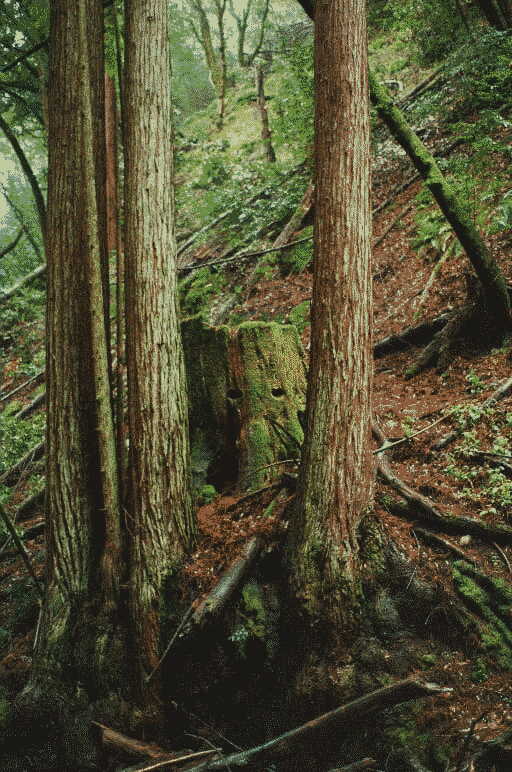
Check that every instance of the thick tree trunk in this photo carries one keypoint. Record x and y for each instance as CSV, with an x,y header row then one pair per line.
x,y
336,479
266,134
83,531
485,266
159,519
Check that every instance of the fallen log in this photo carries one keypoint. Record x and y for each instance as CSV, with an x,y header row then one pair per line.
x,y
319,728
8,293
13,244
418,334
420,507
297,218
29,505
27,535
34,381
11,476
392,225
217,599
501,392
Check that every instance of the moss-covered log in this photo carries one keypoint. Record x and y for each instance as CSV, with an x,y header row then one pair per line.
x,y
246,388
486,268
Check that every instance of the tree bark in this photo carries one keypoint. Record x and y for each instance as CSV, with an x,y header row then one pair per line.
x,y
491,13
336,477
266,134
83,533
159,509
486,268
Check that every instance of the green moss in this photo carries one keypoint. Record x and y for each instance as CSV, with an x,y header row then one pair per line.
x,y
198,290
491,600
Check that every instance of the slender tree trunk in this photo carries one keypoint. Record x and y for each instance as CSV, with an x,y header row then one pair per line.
x,y
505,7
336,477
486,268
266,134
160,519
29,174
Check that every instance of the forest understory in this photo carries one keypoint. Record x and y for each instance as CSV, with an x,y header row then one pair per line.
x,y
435,602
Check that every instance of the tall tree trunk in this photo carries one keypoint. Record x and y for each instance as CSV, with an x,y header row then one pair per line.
x,y
159,519
84,563
486,268
335,482
505,7
266,134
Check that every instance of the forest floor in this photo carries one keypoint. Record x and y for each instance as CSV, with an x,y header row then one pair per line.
x,y
455,478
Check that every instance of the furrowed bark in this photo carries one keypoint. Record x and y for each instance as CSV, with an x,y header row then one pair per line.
x,y
336,477
160,518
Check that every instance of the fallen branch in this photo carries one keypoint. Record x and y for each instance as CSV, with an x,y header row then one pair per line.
x,y
390,227
357,766
29,533
296,219
11,476
40,271
501,392
503,555
112,739
390,445
202,230
31,407
323,726
420,507
174,761
35,380
21,549
438,541
13,244
410,336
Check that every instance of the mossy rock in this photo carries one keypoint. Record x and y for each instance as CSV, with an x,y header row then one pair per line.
x,y
246,386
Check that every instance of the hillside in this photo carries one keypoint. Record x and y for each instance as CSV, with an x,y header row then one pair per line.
x,y
437,566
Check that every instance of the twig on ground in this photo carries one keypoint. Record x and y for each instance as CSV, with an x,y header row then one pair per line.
x,y
21,550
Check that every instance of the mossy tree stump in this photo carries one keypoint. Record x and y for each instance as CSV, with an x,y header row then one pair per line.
x,y
247,386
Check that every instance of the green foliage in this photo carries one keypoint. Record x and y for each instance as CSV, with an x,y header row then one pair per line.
x,y
475,383
207,494
18,436
198,290
292,123
481,72
299,316
298,258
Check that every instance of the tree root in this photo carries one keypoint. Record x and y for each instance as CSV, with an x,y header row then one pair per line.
x,y
358,711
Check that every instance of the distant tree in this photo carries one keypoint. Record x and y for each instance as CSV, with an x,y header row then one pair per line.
x,y
266,134
336,476
251,18
215,55
498,14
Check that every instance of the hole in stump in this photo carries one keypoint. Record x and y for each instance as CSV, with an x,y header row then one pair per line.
x,y
234,393
278,392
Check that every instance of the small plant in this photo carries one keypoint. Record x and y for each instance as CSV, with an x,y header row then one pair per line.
x,y
18,436
476,384
299,316
207,494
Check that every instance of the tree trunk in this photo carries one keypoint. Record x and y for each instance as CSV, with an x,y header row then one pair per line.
x,y
491,13
492,280
505,7
336,478
266,134
246,389
159,510
83,533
